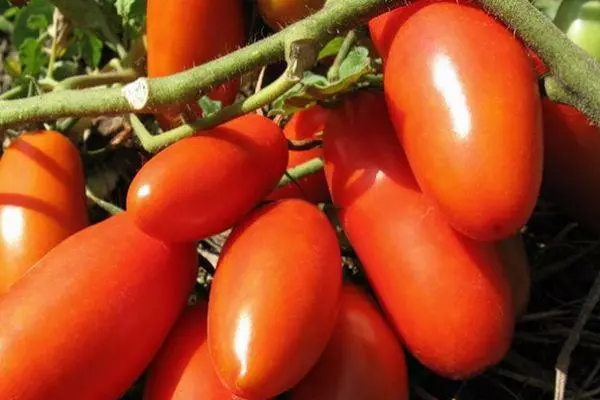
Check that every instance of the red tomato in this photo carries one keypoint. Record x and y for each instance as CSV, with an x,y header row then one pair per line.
x,y
445,294
274,299
42,200
202,185
473,137
363,360
572,170
306,124
513,257
89,317
183,34
280,13
183,369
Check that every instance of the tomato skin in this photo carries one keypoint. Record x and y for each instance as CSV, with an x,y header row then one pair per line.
x,y
202,185
42,200
84,305
457,283
513,257
183,369
473,138
363,359
280,13
306,124
179,36
279,272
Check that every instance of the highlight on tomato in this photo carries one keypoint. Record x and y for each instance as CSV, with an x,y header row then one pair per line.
x,y
436,285
305,125
280,13
42,200
203,185
472,137
274,298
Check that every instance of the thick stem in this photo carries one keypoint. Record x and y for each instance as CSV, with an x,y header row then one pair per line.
x,y
572,66
334,71
308,168
185,86
106,78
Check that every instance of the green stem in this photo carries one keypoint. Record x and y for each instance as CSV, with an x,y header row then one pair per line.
x,y
185,86
308,168
105,205
106,78
572,66
265,96
334,71
53,50
13,92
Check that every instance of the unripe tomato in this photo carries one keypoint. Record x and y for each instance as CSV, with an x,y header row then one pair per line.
x,y
204,184
89,317
306,124
274,298
580,20
513,257
183,370
437,286
183,34
363,360
42,200
280,13
473,137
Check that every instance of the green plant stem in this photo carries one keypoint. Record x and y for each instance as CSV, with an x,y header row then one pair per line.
x,y
265,96
334,71
103,204
308,168
578,72
53,50
556,91
185,86
11,93
106,78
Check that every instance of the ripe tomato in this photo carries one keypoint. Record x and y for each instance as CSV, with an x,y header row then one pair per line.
x,y
280,13
90,316
202,185
473,137
437,286
42,200
183,369
513,257
363,360
580,20
183,34
274,298
306,124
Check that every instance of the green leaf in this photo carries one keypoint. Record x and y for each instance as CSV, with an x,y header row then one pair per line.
x,y
32,57
209,106
332,48
4,5
87,46
355,62
30,19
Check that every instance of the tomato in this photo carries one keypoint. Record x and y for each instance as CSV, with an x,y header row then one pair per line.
x,y
183,34
274,298
473,137
513,257
363,359
183,368
446,295
280,13
202,185
580,20
42,200
306,124
89,317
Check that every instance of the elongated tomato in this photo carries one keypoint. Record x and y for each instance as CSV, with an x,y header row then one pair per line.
x,y
274,298
90,316
42,200
280,13
305,125
183,370
437,286
472,136
363,360
202,185
186,33
572,169
513,257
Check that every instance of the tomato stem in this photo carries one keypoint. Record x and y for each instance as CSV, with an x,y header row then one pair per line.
x,y
308,168
334,71
105,205
105,78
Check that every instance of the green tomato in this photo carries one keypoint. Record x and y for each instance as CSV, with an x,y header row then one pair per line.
x,y
580,20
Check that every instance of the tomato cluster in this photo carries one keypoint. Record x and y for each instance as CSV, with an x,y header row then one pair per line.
x,y
432,180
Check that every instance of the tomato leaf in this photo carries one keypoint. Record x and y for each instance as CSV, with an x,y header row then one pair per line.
x,y
90,48
32,57
209,106
132,13
36,14
332,48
